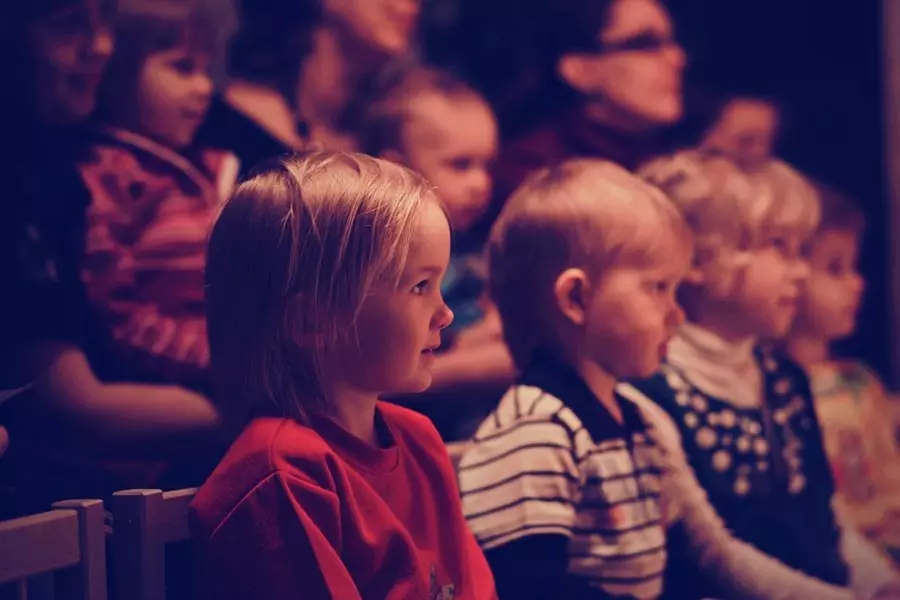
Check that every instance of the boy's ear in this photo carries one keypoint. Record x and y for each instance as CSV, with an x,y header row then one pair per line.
x,y
572,291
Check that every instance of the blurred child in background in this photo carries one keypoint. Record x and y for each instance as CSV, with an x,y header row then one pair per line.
x,y
437,125
153,193
851,402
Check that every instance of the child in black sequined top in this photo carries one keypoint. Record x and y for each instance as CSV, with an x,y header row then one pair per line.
x,y
742,415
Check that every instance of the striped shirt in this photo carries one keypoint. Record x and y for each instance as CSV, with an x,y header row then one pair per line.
x,y
551,460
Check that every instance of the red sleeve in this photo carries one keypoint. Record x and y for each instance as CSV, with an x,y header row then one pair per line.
x,y
143,265
280,543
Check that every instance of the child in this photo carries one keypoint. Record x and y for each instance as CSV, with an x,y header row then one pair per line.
x,y
850,401
153,194
743,414
323,277
563,485
435,124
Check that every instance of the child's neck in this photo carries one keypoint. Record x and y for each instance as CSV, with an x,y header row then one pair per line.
x,y
328,79
602,384
727,327
808,350
355,412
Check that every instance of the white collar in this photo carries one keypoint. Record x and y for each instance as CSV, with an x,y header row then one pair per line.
x,y
719,368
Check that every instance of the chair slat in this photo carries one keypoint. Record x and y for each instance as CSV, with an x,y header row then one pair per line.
x,y
173,523
69,541
38,544
144,522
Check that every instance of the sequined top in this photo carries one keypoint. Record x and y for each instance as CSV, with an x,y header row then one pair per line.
x,y
764,468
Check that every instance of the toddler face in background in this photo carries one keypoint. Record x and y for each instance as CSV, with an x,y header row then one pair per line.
x,y
830,300
452,142
174,92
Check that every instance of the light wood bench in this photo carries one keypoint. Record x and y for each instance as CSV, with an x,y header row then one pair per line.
x,y
68,541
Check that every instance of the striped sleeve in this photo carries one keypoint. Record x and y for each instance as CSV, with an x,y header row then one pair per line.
x,y
520,480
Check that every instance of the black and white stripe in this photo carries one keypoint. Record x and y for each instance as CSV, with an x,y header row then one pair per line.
x,y
535,467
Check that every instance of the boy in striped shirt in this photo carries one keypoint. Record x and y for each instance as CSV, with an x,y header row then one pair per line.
x,y
563,484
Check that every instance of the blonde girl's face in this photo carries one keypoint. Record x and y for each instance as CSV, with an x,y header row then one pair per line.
x,y
763,302
399,328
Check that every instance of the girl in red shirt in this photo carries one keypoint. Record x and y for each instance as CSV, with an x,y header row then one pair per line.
x,y
323,293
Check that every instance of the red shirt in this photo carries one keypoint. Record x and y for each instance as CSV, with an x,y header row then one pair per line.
x,y
295,512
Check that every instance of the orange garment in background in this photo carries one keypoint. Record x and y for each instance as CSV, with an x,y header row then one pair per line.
x,y
859,434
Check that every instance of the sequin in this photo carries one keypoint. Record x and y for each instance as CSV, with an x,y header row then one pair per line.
x,y
763,466
743,444
782,387
691,420
797,483
760,446
706,438
674,380
741,486
699,403
781,416
721,460
727,418
770,364
682,399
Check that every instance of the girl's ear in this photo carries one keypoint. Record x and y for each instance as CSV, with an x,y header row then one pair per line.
x,y
571,291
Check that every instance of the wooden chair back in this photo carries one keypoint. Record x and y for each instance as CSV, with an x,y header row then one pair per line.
x,y
145,522
68,541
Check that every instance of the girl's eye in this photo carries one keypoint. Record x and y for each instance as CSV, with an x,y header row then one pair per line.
x,y
185,65
420,287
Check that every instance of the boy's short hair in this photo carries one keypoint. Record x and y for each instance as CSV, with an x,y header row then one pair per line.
x,y
291,258
583,213
381,126
144,27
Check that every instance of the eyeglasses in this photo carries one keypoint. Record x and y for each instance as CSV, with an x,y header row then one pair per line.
x,y
647,43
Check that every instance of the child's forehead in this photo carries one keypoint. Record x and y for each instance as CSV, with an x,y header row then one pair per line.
x,y
438,118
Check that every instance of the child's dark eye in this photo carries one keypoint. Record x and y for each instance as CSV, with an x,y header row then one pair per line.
x,y
421,287
185,65
461,164
837,269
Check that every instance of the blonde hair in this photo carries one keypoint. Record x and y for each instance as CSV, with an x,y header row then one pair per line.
x,y
788,205
584,213
381,126
291,258
730,211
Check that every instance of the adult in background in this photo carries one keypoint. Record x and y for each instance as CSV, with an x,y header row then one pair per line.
x,y
600,78
54,53
299,70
